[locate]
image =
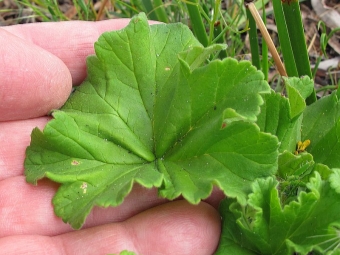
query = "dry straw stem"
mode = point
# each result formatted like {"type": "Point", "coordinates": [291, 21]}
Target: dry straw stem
{"type": "Point", "coordinates": [267, 38]}
{"type": "Point", "coordinates": [101, 10]}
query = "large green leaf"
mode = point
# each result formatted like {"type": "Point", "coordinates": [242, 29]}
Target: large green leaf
{"type": "Point", "coordinates": [264, 227]}
{"type": "Point", "coordinates": [153, 111]}
{"type": "Point", "coordinates": [321, 125]}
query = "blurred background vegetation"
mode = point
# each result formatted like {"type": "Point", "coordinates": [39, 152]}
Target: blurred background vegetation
{"type": "Point", "coordinates": [211, 21]}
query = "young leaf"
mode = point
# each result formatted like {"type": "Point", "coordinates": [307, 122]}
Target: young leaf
{"type": "Point", "coordinates": [297, 165]}
{"type": "Point", "coordinates": [153, 111]}
{"type": "Point", "coordinates": [263, 227]}
{"type": "Point", "coordinates": [293, 173]}
{"type": "Point", "coordinates": [303, 85]}
{"type": "Point", "coordinates": [275, 119]}
{"type": "Point", "coordinates": [282, 116]}
{"type": "Point", "coordinates": [298, 89]}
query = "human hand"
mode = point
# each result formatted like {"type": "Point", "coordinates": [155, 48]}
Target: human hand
{"type": "Point", "coordinates": [38, 64]}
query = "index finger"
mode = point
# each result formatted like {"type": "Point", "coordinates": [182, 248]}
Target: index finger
{"type": "Point", "coordinates": [70, 41]}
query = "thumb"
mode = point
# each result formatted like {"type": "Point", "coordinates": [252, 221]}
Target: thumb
{"type": "Point", "coordinates": [32, 80]}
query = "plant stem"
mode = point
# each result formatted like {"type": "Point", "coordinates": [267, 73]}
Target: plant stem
{"type": "Point", "coordinates": [159, 9]}
{"type": "Point", "coordinates": [149, 8]}
{"type": "Point", "coordinates": [297, 37]}
{"type": "Point", "coordinates": [197, 22]}
{"type": "Point", "coordinates": [254, 44]}
{"type": "Point", "coordinates": [219, 37]}
{"type": "Point", "coordinates": [326, 88]}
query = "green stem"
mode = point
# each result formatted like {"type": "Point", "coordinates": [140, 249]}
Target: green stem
{"type": "Point", "coordinates": [286, 48]}
{"type": "Point", "coordinates": [297, 37]}
{"type": "Point", "coordinates": [326, 88]}
{"type": "Point", "coordinates": [149, 9]}
{"type": "Point", "coordinates": [253, 39]}
{"type": "Point", "coordinates": [197, 22]}
{"type": "Point", "coordinates": [160, 12]}
{"type": "Point", "coordinates": [218, 33]}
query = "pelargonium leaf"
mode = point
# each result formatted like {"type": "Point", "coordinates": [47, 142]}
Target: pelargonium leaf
{"type": "Point", "coordinates": [282, 116]}
{"type": "Point", "coordinates": [155, 111]}
{"type": "Point", "coordinates": [275, 118]}
{"type": "Point", "coordinates": [321, 125]}
{"type": "Point", "coordinates": [304, 85]}
{"type": "Point", "coordinates": [263, 227]}
{"type": "Point", "coordinates": [296, 165]}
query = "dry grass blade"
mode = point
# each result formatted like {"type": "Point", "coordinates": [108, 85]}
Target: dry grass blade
{"type": "Point", "coordinates": [267, 38]}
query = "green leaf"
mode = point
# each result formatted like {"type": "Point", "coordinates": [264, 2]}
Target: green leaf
{"type": "Point", "coordinates": [275, 118]}
{"type": "Point", "coordinates": [194, 57]}
{"type": "Point", "coordinates": [155, 111]}
{"type": "Point", "coordinates": [238, 147]}
{"type": "Point", "coordinates": [303, 85]}
{"type": "Point", "coordinates": [297, 165]}
{"type": "Point", "coordinates": [321, 126]}
{"type": "Point", "coordinates": [264, 227]}
{"type": "Point", "coordinates": [283, 116]}
{"type": "Point", "coordinates": [293, 173]}
{"type": "Point", "coordinates": [298, 89]}
{"type": "Point", "coordinates": [335, 180]}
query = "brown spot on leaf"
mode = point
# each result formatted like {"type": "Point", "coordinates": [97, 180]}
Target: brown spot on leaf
{"type": "Point", "coordinates": [75, 163]}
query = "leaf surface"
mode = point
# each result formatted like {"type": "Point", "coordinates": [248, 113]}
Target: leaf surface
{"type": "Point", "coordinates": [264, 227]}
{"type": "Point", "coordinates": [155, 111]}
{"type": "Point", "coordinates": [321, 125]}
{"type": "Point", "coordinates": [275, 118]}
{"type": "Point", "coordinates": [282, 116]}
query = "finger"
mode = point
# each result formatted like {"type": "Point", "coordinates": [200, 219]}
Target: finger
{"type": "Point", "coordinates": [72, 42]}
{"type": "Point", "coordinates": [27, 209]}
{"type": "Point", "coordinates": [172, 228]}
{"type": "Point", "coordinates": [32, 80]}
{"type": "Point", "coordinates": [14, 138]}
{"type": "Point", "coordinates": [20, 201]}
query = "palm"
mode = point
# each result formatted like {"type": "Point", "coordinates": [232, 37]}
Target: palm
{"type": "Point", "coordinates": [33, 81]}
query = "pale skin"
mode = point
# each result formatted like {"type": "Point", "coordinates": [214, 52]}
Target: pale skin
{"type": "Point", "coordinates": [38, 65]}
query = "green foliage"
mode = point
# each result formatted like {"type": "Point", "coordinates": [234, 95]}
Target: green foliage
{"type": "Point", "coordinates": [157, 110]}
{"type": "Point", "coordinates": [265, 227]}
{"type": "Point", "coordinates": [49, 10]}
{"type": "Point", "coordinates": [292, 40]}
{"type": "Point", "coordinates": [299, 211]}
{"type": "Point", "coordinates": [321, 126]}
{"type": "Point", "coordinates": [324, 38]}
{"type": "Point", "coordinates": [154, 111]}
{"type": "Point", "coordinates": [281, 116]}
